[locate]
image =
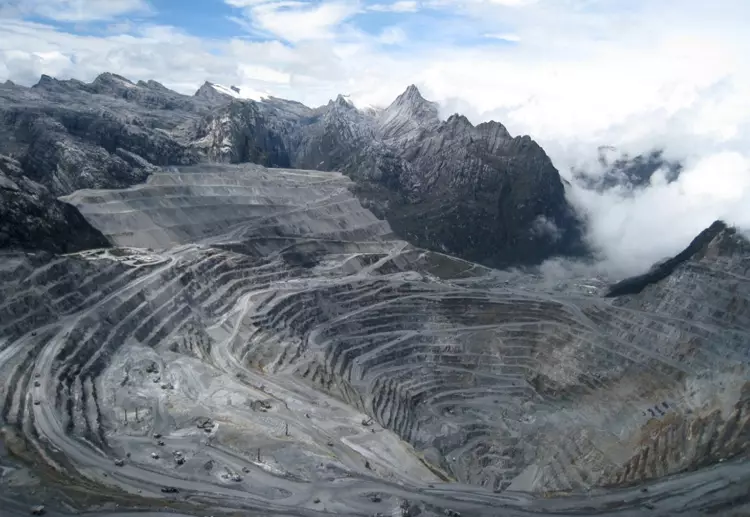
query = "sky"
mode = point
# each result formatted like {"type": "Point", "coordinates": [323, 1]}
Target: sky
{"type": "Point", "coordinates": [573, 74]}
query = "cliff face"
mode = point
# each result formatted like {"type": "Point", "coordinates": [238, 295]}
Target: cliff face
{"type": "Point", "coordinates": [472, 191]}
{"type": "Point", "coordinates": [32, 218]}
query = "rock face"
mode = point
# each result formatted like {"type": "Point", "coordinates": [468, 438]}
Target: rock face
{"type": "Point", "coordinates": [475, 192]}
{"type": "Point", "coordinates": [274, 314]}
{"type": "Point", "coordinates": [111, 133]}
{"type": "Point", "coordinates": [31, 218]}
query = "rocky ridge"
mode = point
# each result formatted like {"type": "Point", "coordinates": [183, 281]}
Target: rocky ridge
{"type": "Point", "coordinates": [475, 192]}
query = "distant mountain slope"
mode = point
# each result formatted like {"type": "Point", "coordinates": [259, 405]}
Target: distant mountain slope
{"type": "Point", "coordinates": [712, 240]}
{"type": "Point", "coordinates": [628, 173]}
{"type": "Point", "coordinates": [472, 191]}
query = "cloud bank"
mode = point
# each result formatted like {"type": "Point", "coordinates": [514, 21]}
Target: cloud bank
{"type": "Point", "coordinates": [575, 75]}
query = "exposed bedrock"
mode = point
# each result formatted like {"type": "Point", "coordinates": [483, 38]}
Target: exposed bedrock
{"type": "Point", "coordinates": [32, 218]}
{"type": "Point", "coordinates": [258, 340]}
{"type": "Point", "coordinates": [471, 191]}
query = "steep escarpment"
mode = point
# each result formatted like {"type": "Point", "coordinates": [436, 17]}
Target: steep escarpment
{"type": "Point", "coordinates": [240, 133]}
{"type": "Point", "coordinates": [475, 192]}
{"type": "Point", "coordinates": [59, 136]}
{"type": "Point", "coordinates": [31, 218]}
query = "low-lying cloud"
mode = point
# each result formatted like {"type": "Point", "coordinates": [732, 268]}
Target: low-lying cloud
{"type": "Point", "coordinates": [631, 230]}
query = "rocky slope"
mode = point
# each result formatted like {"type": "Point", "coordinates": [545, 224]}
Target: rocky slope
{"type": "Point", "coordinates": [475, 192]}
{"type": "Point", "coordinates": [278, 351]}
{"type": "Point", "coordinates": [32, 218]}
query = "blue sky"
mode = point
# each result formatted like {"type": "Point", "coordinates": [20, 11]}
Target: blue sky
{"type": "Point", "coordinates": [250, 19]}
{"type": "Point", "coordinates": [574, 74]}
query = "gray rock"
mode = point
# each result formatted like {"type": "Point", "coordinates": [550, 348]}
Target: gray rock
{"type": "Point", "coordinates": [472, 191]}
{"type": "Point", "coordinates": [495, 379]}
{"type": "Point", "coordinates": [31, 218]}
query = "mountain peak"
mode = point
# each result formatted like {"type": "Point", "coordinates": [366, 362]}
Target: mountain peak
{"type": "Point", "coordinates": [154, 85]}
{"type": "Point", "coordinates": [458, 119]}
{"type": "Point", "coordinates": [46, 80]}
{"type": "Point", "coordinates": [341, 101]}
{"type": "Point", "coordinates": [408, 113]}
{"type": "Point", "coordinates": [205, 89]}
{"type": "Point", "coordinates": [108, 77]}
{"type": "Point", "coordinates": [215, 91]}
{"type": "Point", "coordinates": [411, 95]}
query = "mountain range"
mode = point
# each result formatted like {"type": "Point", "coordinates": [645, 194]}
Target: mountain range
{"type": "Point", "coordinates": [472, 191]}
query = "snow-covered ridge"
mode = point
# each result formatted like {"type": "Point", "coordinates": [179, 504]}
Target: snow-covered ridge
{"type": "Point", "coordinates": [239, 93]}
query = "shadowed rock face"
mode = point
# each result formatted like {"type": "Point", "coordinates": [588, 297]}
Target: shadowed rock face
{"type": "Point", "coordinates": [474, 192]}
{"type": "Point", "coordinates": [297, 356]}
{"type": "Point", "coordinates": [31, 218]}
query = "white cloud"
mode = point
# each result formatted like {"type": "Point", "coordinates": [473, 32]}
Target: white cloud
{"type": "Point", "coordinates": [633, 232]}
{"type": "Point", "coordinates": [462, 4]}
{"type": "Point", "coordinates": [77, 10]}
{"type": "Point", "coordinates": [509, 3]}
{"type": "Point", "coordinates": [244, 3]}
{"type": "Point", "coordinates": [513, 38]}
{"type": "Point", "coordinates": [296, 21]}
{"type": "Point", "coordinates": [402, 6]}
{"type": "Point", "coordinates": [263, 74]}
{"type": "Point", "coordinates": [638, 75]}
{"type": "Point", "coordinates": [392, 36]}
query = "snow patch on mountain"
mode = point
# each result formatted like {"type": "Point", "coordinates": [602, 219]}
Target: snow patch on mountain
{"type": "Point", "coordinates": [239, 93]}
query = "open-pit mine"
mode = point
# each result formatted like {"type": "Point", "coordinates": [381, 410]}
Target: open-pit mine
{"type": "Point", "coordinates": [258, 343]}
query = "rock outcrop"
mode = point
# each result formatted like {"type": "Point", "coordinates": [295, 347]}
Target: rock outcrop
{"type": "Point", "coordinates": [473, 191]}
{"type": "Point", "coordinates": [33, 219]}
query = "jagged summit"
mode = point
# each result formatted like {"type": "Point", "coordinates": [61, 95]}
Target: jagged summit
{"type": "Point", "coordinates": [618, 170]}
{"type": "Point", "coordinates": [413, 98]}
{"type": "Point", "coordinates": [459, 120]}
{"type": "Point", "coordinates": [153, 85]}
{"type": "Point", "coordinates": [108, 77]}
{"type": "Point", "coordinates": [411, 94]}
{"type": "Point", "coordinates": [45, 79]}
{"type": "Point", "coordinates": [472, 191]}
{"type": "Point", "coordinates": [342, 101]}
{"type": "Point", "coordinates": [408, 114]}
